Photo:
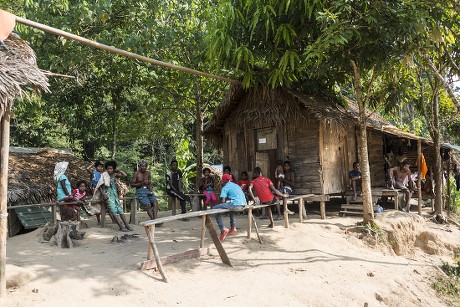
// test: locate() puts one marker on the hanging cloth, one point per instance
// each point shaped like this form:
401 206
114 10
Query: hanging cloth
423 167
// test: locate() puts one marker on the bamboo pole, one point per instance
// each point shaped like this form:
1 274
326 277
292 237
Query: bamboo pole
128 54
4 152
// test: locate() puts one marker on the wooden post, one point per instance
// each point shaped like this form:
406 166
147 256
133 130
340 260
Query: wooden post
301 206
4 153
54 213
322 208
286 217
173 204
419 182
448 187
133 218
203 230
257 229
249 222
217 243
151 229
151 236
103 214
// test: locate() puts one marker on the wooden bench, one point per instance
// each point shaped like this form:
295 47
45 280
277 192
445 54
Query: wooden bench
153 256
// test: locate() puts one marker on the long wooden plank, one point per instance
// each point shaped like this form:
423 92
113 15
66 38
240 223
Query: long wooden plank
181 216
194 253
217 243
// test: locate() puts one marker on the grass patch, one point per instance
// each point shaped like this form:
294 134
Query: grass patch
448 285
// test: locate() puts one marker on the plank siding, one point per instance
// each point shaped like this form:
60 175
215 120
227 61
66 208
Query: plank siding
376 158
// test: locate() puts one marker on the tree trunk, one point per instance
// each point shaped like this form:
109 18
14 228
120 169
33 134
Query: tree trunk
435 134
115 101
199 141
4 153
368 212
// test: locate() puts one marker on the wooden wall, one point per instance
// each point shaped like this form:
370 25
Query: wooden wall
303 152
376 157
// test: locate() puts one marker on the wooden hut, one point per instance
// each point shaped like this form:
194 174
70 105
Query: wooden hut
319 138
30 181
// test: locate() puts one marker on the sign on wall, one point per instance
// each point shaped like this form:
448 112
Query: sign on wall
266 139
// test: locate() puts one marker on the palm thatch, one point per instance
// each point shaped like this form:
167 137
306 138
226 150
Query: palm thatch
19 73
275 107
30 176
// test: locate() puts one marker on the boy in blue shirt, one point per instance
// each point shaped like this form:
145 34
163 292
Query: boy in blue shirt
232 197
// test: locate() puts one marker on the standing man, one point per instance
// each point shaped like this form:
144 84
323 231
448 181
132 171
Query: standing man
142 181
174 186
266 192
398 176
232 197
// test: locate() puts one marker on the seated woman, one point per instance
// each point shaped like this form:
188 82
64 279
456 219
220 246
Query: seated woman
64 193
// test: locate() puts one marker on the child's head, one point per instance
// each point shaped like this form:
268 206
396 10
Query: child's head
227 169
356 166
244 176
111 167
174 165
206 172
99 166
279 162
81 185
287 165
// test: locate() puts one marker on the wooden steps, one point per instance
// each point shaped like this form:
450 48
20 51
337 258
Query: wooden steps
356 208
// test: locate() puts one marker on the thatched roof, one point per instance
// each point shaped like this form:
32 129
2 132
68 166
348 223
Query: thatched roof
19 73
274 107
30 177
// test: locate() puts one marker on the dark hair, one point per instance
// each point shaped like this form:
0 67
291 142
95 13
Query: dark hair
110 163
405 162
206 169
97 163
257 171
355 163
279 162
174 161
79 183
228 168
287 162
244 173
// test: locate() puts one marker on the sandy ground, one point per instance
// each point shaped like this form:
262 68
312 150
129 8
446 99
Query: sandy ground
317 263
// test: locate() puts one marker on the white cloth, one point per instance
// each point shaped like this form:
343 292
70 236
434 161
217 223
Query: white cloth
59 170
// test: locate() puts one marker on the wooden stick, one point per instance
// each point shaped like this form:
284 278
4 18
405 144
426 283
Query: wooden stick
286 218
217 243
250 218
97 45
150 235
4 154
257 229
150 229
203 230
194 253
301 206
103 215
133 218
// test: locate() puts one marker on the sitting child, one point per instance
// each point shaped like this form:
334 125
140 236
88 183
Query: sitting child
244 182
355 180
207 187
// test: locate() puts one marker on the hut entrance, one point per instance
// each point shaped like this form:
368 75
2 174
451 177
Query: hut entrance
266 141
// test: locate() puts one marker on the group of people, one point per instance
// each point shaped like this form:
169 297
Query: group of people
399 177
234 193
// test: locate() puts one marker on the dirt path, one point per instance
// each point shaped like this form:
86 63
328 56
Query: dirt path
317 263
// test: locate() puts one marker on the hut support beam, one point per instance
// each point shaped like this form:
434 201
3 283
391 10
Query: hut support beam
419 182
4 152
